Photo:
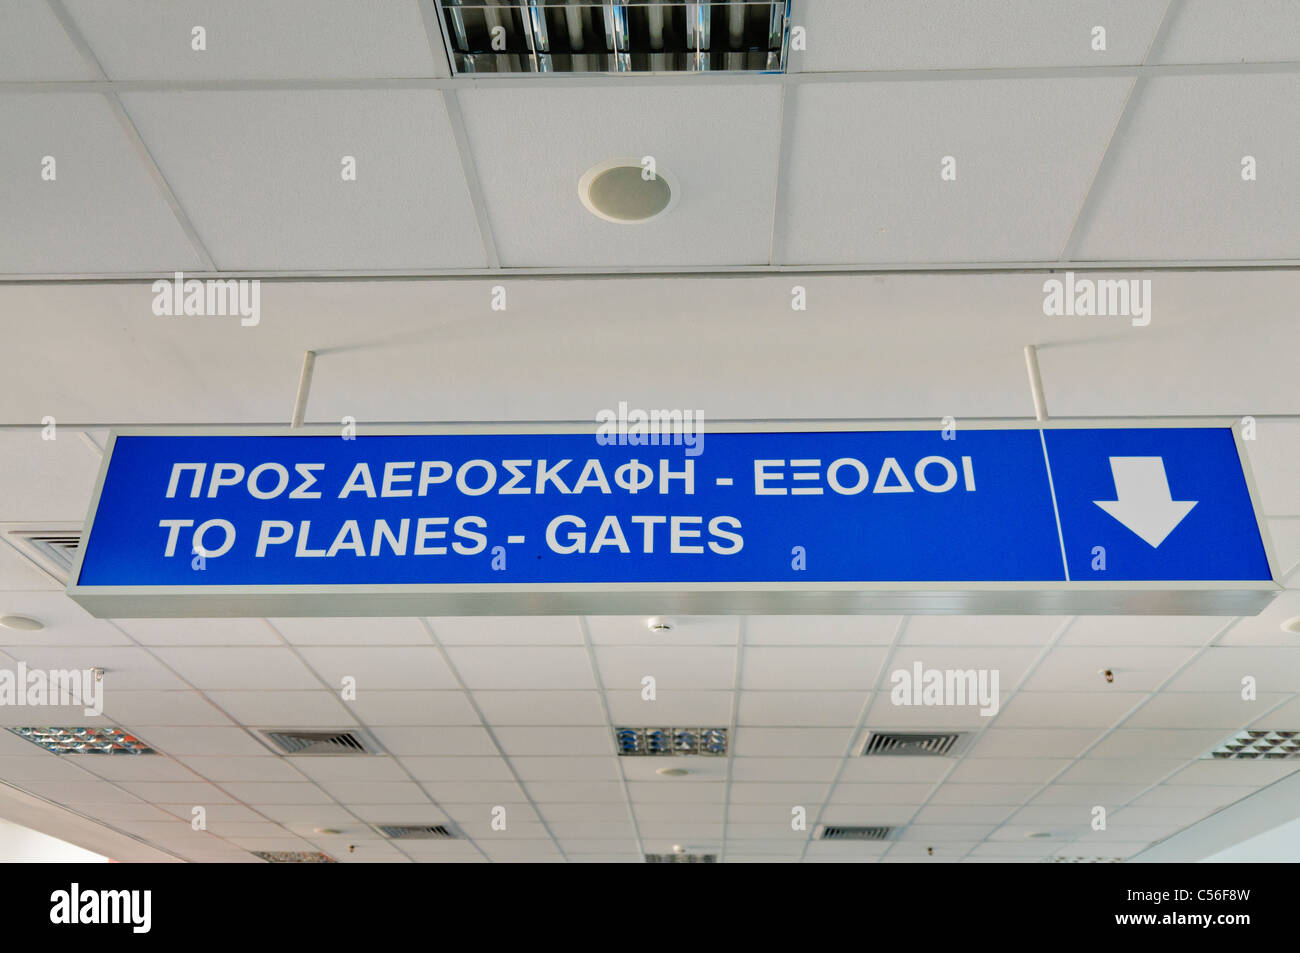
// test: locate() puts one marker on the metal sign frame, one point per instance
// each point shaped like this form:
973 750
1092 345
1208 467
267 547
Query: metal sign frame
1210 597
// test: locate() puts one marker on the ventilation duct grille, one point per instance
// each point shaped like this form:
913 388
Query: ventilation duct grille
319 743
416 832
294 857
52 550
1085 860
1259 745
849 832
681 858
616 36
912 744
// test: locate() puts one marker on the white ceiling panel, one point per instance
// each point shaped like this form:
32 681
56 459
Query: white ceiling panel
864 179
34 45
719 142
248 39
937 34
1175 190
260 175
1244 31
102 213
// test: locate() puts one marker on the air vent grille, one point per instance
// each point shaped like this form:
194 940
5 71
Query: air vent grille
294 857
669 741
911 743
1260 745
850 832
682 858
616 36
52 550
319 743
82 740
416 832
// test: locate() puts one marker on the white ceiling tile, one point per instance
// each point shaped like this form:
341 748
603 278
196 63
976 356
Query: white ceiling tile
775 792
410 667
603 811
1143 630
457 768
52 767
103 211
895 769
1249 31
34 46
195 792
245 39
864 186
522 667
558 768
686 630
1049 709
1222 668
259 793
966 813
18 573
1032 743
1119 771
507 630
1006 770
1224 711
820 629
238 668
582 741
46 481
1266 628
815 669
192 632
986 34
353 632
212 742
403 741
792 742
719 142
400 707
1088 794
1144 743
346 769
801 708
1175 191
983 793
980 630
675 668
373 792
657 792
284 709
784 769
912 794
491 792
80 792
259 173
1234 772
1079 668
121 770
220 770
126 668
540 707
669 709
701 769
1207 796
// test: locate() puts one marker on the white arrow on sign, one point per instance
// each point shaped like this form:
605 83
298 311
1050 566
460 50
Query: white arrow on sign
1142 499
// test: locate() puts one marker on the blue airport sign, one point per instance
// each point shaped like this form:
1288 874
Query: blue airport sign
1055 518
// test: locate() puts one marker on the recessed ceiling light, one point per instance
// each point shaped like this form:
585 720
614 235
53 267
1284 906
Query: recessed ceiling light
672 772
1039 834
659 624
1292 625
22 623
627 192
